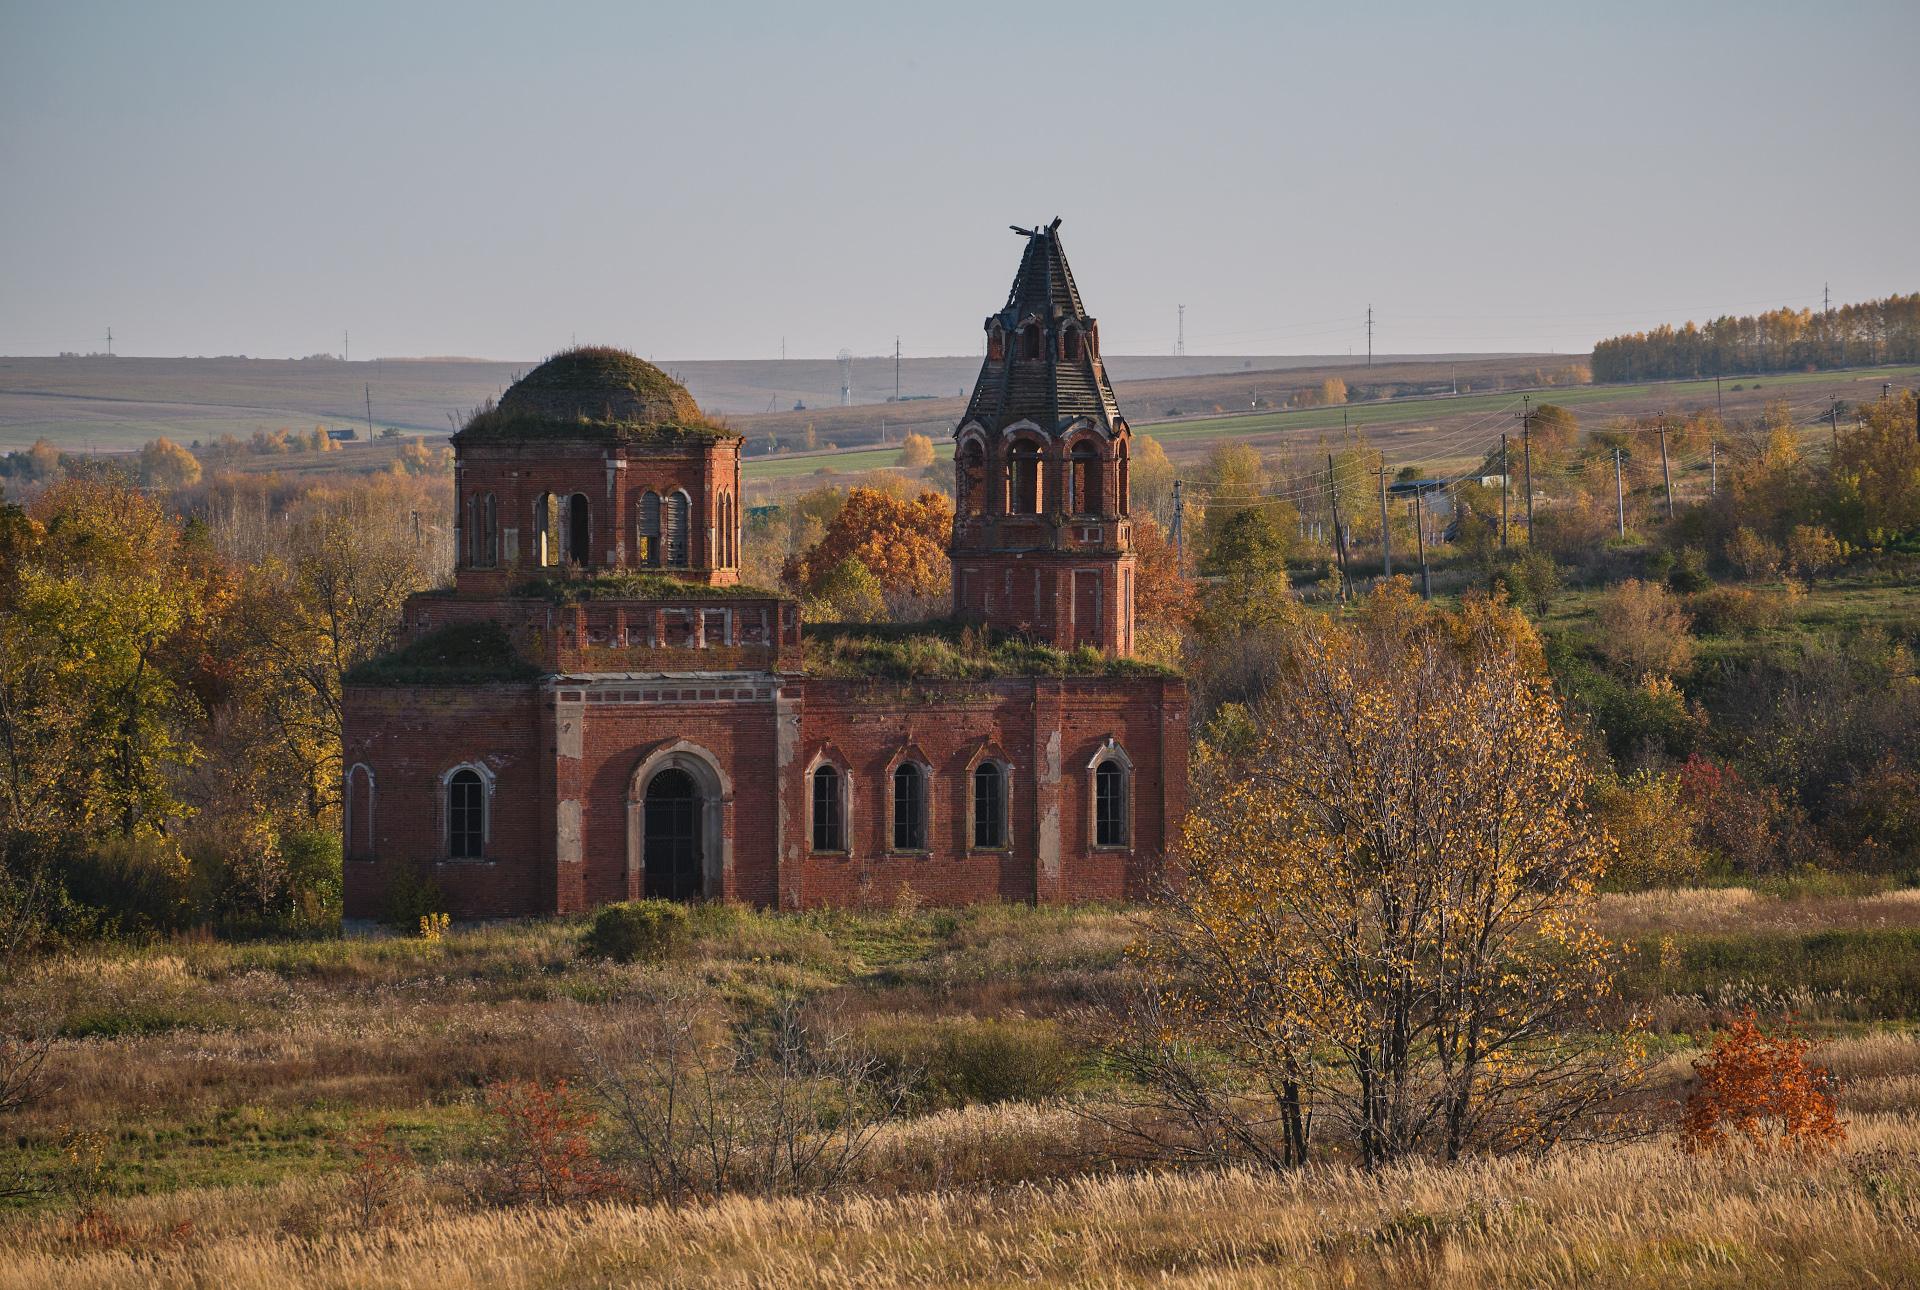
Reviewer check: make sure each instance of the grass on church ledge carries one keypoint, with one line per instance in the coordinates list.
(457, 654)
(632, 585)
(945, 650)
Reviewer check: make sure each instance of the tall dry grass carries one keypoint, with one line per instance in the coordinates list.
(1642, 1215)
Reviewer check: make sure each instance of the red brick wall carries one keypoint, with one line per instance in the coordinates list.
(612, 477)
(581, 742)
(410, 737)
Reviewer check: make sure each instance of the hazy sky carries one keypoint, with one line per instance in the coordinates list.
(702, 179)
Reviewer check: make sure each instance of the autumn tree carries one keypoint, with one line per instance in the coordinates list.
(328, 598)
(1151, 476)
(902, 543)
(1643, 630)
(165, 465)
(1384, 930)
(1876, 472)
(916, 451)
(1165, 599)
(1758, 1091)
(92, 640)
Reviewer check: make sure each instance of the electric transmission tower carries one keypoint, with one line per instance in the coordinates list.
(1180, 336)
(846, 378)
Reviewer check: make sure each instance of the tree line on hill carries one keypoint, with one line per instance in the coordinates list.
(1858, 335)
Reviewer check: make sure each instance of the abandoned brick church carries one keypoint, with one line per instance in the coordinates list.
(597, 710)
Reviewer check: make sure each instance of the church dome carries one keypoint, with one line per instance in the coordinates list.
(600, 384)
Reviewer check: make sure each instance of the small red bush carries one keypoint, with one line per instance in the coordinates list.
(543, 1143)
(1758, 1090)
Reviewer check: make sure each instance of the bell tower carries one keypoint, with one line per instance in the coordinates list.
(1042, 543)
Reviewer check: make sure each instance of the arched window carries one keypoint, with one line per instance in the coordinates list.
(725, 535)
(829, 826)
(971, 479)
(1071, 344)
(996, 343)
(909, 807)
(546, 530)
(679, 525)
(989, 806)
(1086, 479)
(466, 815)
(579, 530)
(1110, 805)
(1024, 479)
(486, 553)
(1126, 483)
(1030, 341)
(359, 812)
(646, 537)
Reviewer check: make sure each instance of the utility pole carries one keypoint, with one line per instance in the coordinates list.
(1339, 533)
(1179, 512)
(1666, 471)
(369, 389)
(1369, 335)
(1506, 478)
(1713, 468)
(1526, 453)
(109, 342)
(1719, 404)
(1420, 536)
(1619, 494)
(1386, 533)
(1826, 297)
(1833, 419)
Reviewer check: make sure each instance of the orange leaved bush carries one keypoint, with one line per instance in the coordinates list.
(902, 543)
(542, 1144)
(1757, 1090)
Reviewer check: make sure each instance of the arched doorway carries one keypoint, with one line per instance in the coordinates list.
(671, 836)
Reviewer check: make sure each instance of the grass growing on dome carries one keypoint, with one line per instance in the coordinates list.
(597, 392)
(945, 650)
(457, 654)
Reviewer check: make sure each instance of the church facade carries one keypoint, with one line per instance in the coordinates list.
(597, 710)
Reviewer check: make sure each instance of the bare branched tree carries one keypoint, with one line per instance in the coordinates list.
(706, 1110)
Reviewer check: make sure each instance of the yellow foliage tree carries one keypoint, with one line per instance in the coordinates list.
(916, 451)
(1643, 629)
(1385, 923)
(902, 543)
(165, 464)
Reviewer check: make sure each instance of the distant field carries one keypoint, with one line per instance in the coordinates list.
(1440, 433)
(110, 405)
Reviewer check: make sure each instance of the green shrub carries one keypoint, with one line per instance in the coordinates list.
(1689, 571)
(646, 930)
(960, 1060)
(1723, 611)
(410, 896)
(312, 858)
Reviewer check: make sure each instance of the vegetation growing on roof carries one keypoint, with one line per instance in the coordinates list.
(458, 654)
(597, 392)
(633, 586)
(943, 650)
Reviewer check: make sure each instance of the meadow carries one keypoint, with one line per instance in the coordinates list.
(202, 1093)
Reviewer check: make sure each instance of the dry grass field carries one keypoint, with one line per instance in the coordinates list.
(202, 1091)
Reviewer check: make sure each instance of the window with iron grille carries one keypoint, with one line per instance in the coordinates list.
(829, 832)
(909, 808)
(989, 807)
(1110, 804)
(466, 815)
